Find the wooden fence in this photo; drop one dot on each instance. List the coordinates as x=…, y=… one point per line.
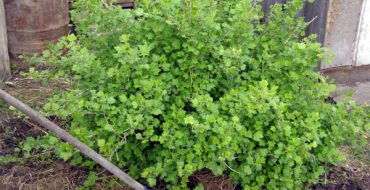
x=4, y=56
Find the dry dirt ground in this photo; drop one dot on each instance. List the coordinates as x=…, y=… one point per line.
x=51, y=173
x=16, y=173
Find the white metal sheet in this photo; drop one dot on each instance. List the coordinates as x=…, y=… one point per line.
x=363, y=47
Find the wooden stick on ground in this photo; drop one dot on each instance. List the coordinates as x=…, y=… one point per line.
x=35, y=116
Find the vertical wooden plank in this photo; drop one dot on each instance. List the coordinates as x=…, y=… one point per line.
x=4, y=54
x=316, y=13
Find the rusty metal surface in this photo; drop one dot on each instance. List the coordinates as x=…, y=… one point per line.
x=32, y=24
x=341, y=31
x=125, y=4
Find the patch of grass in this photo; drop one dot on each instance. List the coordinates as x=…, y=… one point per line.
x=11, y=159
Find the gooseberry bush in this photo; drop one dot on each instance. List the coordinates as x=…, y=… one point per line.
x=176, y=86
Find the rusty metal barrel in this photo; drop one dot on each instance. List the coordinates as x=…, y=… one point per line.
x=32, y=24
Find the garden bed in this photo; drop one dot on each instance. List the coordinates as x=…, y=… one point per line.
x=42, y=170
x=52, y=173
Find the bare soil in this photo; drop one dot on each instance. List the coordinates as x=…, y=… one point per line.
x=15, y=128
x=210, y=181
x=31, y=174
x=58, y=175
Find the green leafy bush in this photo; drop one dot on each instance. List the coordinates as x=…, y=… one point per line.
x=176, y=86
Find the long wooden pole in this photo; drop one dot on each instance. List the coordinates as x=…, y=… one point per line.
x=35, y=116
x=4, y=54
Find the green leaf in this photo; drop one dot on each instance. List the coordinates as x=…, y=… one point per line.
x=91, y=179
x=189, y=120
x=71, y=38
x=152, y=181
x=139, y=12
x=264, y=84
x=134, y=105
x=287, y=130
x=139, y=136
x=65, y=155
x=247, y=170
x=46, y=53
x=53, y=140
x=111, y=100
x=101, y=142
x=28, y=144
x=111, y=72
x=156, y=112
x=257, y=136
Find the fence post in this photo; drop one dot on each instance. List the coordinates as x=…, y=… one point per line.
x=4, y=54
x=317, y=13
